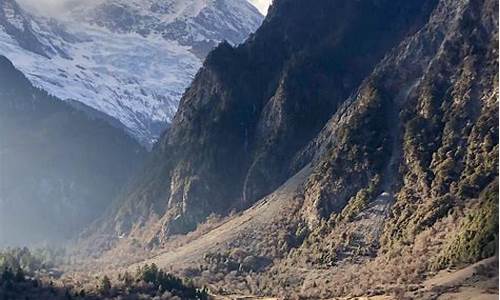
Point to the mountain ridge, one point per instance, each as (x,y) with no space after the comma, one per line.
(256,120)
(321,164)
(55,175)
(103,56)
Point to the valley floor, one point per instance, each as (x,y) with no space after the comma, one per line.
(471,283)
(478,281)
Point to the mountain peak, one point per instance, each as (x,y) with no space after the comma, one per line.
(129,59)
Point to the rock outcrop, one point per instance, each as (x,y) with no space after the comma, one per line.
(252,108)
(382,120)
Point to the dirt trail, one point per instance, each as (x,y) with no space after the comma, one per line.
(446,278)
(475,282)
(470,283)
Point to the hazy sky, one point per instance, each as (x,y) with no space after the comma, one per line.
(49,6)
(262,5)
(44,6)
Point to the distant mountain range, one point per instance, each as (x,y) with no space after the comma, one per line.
(131,60)
(60,167)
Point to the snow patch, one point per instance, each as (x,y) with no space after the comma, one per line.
(12,17)
(135,77)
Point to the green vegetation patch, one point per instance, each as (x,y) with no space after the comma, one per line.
(477,234)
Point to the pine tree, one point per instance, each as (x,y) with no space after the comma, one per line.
(105,285)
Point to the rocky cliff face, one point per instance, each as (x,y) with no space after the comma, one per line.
(252,108)
(198,24)
(131,60)
(383,115)
(418,141)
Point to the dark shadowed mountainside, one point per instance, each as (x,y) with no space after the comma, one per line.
(350,146)
(59,167)
(252,108)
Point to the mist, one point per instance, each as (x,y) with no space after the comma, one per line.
(262,5)
(48,7)
(56,7)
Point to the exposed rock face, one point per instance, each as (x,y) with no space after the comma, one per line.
(131,60)
(383,115)
(404,177)
(419,139)
(15,24)
(197,24)
(252,108)
(59,167)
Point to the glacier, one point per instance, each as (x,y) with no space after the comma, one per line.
(131,60)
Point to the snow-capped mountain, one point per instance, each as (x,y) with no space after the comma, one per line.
(130,59)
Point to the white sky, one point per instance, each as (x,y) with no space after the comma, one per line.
(52,6)
(262,5)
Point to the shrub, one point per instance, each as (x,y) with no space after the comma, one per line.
(477,235)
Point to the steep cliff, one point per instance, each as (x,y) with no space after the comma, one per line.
(418,141)
(252,108)
(359,148)
(130,60)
